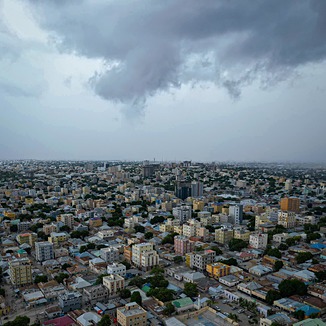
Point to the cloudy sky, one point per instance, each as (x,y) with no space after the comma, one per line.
(172,79)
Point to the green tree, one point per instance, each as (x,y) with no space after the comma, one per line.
(82,249)
(234,317)
(136,297)
(3,292)
(291,287)
(169,309)
(273,295)
(237,244)
(274,252)
(99,279)
(217,250)
(13,228)
(65,228)
(137,281)
(299,314)
(157,219)
(105,321)
(19,321)
(230,262)
(65,266)
(278,265)
(178,259)
(60,277)
(283,246)
(190,289)
(157,270)
(148,235)
(40,278)
(161,294)
(169,238)
(139,228)
(302,257)
(125,293)
(128,265)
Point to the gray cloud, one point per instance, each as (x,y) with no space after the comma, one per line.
(154,46)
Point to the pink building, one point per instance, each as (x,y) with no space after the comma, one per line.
(182,245)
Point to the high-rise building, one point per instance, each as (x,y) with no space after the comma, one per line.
(200,259)
(258,241)
(183,245)
(66,219)
(197,189)
(223,236)
(131,314)
(182,213)
(236,211)
(182,190)
(148,169)
(144,255)
(286,219)
(44,251)
(20,272)
(291,204)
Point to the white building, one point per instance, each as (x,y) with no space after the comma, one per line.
(44,251)
(236,212)
(114,283)
(144,255)
(182,213)
(116,269)
(287,219)
(258,241)
(110,254)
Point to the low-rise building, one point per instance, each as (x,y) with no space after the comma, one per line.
(116,269)
(217,270)
(110,254)
(96,293)
(131,314)
(114,283)
(69,301)
(258,241)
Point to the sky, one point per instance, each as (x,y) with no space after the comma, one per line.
(214,80)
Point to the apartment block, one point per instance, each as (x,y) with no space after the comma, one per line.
(66,219)
(57,237)
(49,228)
(116,269)
(44,251)
(241,234)
(258,241)
(69,301)
(287,219)
(20,272)
(114,283)
(182,213)
(218,270)
(110,254)
(290,204)
(131,314)
(183,245)
(29,238)
(144,255)
(96,293)
(223,236)
(199,260)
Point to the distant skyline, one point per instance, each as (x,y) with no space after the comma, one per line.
(238,81)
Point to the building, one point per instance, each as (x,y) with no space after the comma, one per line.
(290,204)
(242,234)
(110,254)
(218,270)
(29,238)
(114,283)
(57,237)
(223,236)
(258,241)
(44,251)
(69,301)
(148,169)
(66,219)
(116,269)
(49,228)
(200,259)
(189,230)
(236,211)
(287,219)
(23,226)
(182,190)
(183,245)
(182,213)
(96,293)
(197,189)
(20,272)
(131,314)
(144,256)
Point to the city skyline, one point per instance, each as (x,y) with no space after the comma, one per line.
(220,81)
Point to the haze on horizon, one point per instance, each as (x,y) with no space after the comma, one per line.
(175,80)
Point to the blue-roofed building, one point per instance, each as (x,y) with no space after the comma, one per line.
(318,246)
(309,310)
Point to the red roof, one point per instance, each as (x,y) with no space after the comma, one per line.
(60,321)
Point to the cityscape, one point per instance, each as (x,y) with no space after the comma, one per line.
(162,163)
(169,243)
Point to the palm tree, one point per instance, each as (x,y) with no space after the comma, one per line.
(234,317)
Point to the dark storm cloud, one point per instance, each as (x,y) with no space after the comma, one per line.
(153,46)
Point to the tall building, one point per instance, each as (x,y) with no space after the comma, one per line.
(200,259)
(236,211)
(44,251)
(182,213)
(131,314)
(287,219)
(66,219)
(114,283)
(197,189)
(223,236)
(182,190)
(258,241)
(291,204)
(110,254)
(144,256)
(20,272)
(183,245)
(148,169)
